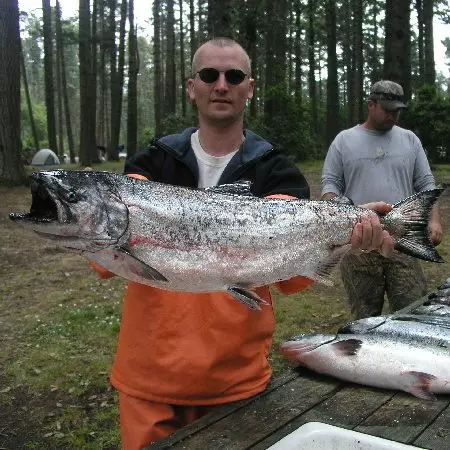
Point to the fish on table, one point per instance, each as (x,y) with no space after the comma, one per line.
(204,240)
(386,361)
(433,310)
(427,329)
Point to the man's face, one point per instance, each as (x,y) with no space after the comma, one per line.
(220,102)
(382,119)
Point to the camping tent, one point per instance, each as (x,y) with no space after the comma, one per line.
(44,157)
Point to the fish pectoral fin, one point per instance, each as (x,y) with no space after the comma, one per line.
(419,384)
(140,268)
(248,298)
(347,347)
(325,267)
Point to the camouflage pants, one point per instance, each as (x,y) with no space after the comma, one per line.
(368,276)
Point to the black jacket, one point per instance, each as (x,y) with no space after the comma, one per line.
(171,160)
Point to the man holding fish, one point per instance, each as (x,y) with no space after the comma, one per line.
(181,354)
(379,160)
(200,261)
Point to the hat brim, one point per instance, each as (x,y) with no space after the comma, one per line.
(391,105)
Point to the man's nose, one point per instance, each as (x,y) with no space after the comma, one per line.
(221,83)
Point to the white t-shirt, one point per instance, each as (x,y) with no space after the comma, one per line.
(210,167)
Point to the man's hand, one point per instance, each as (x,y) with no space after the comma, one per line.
(435,232)
(435,227)
(368,234)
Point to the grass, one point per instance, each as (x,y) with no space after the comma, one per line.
(59,325)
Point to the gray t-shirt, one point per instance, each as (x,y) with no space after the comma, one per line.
(368,166)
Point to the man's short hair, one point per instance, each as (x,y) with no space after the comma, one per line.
(220,42)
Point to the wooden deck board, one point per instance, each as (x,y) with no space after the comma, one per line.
(403,418)
(437,435)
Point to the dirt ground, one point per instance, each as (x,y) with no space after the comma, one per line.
(54,390)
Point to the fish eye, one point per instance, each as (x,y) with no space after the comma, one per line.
(71,197)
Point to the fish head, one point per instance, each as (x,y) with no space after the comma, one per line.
(79,210)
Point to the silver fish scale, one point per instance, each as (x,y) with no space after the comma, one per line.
(202,241)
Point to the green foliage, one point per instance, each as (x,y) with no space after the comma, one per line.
(40,122)
(174,123)
(427,115)
(290,126)
(146,137)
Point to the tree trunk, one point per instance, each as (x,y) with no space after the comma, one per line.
(332,127)
(420,45)
(359,59)
(59,96)
(192,33)
(85,56)
(170,78)
(157,65)
(182,63)
(95,157)
(219,18)
(372,51)
(312,67)
(113,80)
(62,59)
(117,87)
(248,35)
(103,109)
(275,74)
(298,54)
(133,69)
(429,64)
(397,60)
(27,96)
(11,167)
(48,64)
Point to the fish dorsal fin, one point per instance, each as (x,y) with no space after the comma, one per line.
(347,347)
(241,187)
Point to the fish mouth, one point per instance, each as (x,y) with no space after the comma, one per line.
(43,208)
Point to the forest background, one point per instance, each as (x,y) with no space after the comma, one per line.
(96,83)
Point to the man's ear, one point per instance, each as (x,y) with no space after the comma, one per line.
(190,90)
(251,88)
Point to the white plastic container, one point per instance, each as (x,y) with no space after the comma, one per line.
(320,436)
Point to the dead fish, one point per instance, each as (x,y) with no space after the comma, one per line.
(434,310)
(204,240)
(376,360)
(423,328)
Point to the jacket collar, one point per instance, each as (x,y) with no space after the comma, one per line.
(253,147)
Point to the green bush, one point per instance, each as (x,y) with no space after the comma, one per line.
(427,116)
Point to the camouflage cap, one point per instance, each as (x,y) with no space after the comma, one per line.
(388,94)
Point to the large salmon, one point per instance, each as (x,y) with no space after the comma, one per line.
(407,362)
(204,240)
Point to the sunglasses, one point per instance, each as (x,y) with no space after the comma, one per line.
(233,76)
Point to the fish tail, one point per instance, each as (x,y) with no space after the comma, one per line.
(408,225)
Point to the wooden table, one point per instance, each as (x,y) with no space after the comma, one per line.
(300,396)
